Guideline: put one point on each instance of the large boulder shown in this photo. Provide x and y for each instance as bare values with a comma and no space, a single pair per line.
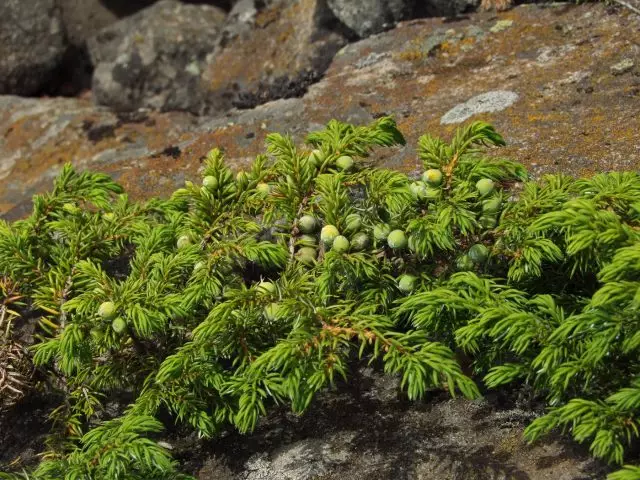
83,18
274,51
367,17
155,58
32,45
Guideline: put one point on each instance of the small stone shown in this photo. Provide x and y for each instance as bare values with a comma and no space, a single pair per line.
501,25
488,102
622,67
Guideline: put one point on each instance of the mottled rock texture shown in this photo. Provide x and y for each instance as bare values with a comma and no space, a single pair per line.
274,51
572,113
366,17
369,432
32,45
155,58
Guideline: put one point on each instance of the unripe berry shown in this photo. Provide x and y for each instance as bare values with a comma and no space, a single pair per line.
273,312
198,266
210,182
263,189
381,232
95,333
344,163
433,193
488,221
307,241
360,241
340,244
419,190
119,325
478,253
406,283
491,205
485,186
432,177
328,234
107,310
108,216
71,208
267,288
353,222
307,255
397,240
464,263
316,158
184,241
307,224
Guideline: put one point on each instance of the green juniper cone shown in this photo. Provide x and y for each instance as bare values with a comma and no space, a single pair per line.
556,308
397,240
307,224
328,234
340,244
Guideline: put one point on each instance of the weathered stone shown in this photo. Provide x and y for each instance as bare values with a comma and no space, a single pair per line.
32,45
83,18
445,8
273,52
155,58
361,432
623,66
488,102
572,115
501,25
366,17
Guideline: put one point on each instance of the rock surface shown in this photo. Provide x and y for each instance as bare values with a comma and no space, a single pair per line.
154,58
366,17
445,8
368,432
271,52
32,44
572,113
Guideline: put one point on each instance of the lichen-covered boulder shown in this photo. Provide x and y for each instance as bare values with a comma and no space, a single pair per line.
32,45
154,59
272,50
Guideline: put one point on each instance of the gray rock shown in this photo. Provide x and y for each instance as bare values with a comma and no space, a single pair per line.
154,58
32,45
271,52
445,8
82,18
494,101
366,17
